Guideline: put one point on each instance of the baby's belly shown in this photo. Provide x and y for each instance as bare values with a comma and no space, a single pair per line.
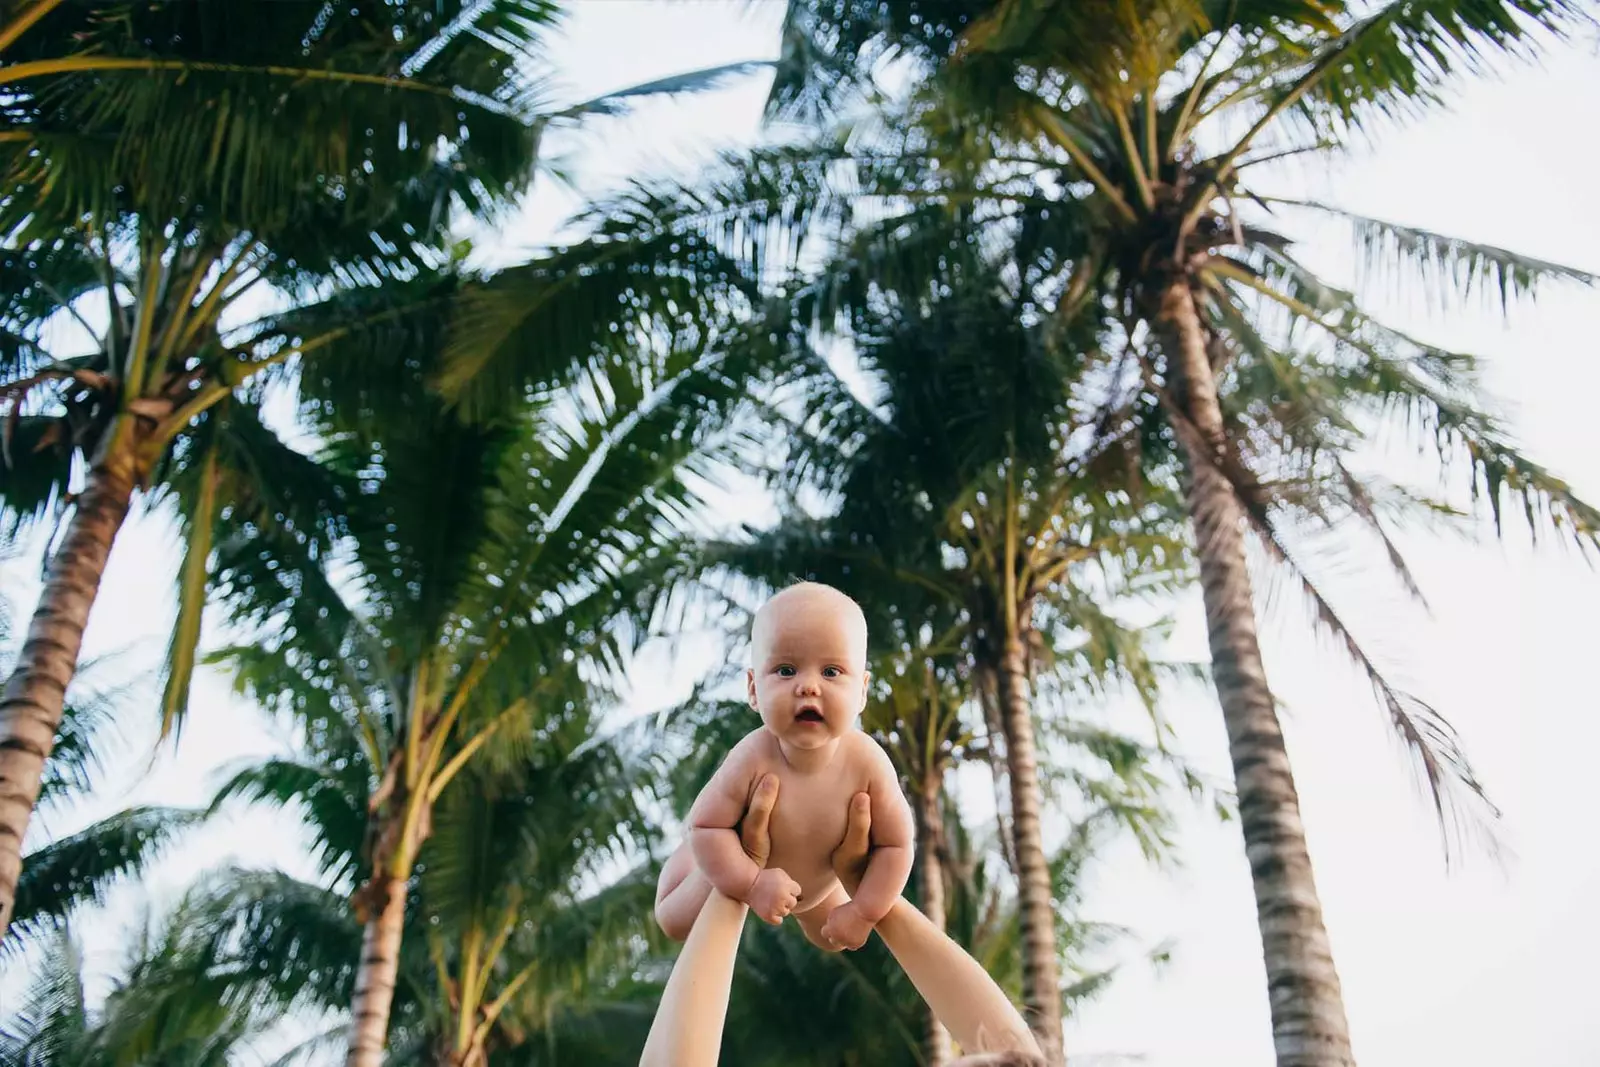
803,840
816,880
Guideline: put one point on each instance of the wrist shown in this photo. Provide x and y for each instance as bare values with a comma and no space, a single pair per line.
892,927
872,909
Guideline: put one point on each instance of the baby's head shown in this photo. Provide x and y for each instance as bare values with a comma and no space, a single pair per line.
1001,1059
808,675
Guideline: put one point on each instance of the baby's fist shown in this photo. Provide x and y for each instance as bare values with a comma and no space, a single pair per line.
773,895
847,927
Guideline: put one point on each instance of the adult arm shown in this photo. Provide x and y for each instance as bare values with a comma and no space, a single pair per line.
687,1029
961,994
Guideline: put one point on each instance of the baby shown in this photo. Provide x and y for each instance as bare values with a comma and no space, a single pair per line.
809,682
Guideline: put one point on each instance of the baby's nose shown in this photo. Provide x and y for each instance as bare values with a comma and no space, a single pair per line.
807,685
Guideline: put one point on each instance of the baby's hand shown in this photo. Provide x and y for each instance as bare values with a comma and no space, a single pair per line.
773,895
847,927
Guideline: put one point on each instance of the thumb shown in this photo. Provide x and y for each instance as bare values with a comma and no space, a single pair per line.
857,833
762,801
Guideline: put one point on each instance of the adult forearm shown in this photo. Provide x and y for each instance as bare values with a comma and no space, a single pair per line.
687,1031
959,991
722,858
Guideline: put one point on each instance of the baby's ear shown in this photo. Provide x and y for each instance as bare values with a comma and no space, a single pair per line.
750,685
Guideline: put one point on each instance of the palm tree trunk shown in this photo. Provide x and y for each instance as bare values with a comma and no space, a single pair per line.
1308,1018
1041,976
31,703
930,852
375,980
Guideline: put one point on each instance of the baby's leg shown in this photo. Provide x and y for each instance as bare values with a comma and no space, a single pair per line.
680,894
814,918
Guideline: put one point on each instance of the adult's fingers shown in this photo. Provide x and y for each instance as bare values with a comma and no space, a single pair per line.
850,858
753,830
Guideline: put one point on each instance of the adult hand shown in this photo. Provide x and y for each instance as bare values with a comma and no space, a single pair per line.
753,832
850,858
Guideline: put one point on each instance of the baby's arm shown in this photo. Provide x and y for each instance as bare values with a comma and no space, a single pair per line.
893,834
714,839
889,862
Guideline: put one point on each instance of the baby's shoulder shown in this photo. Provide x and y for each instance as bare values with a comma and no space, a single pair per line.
862,751
755,753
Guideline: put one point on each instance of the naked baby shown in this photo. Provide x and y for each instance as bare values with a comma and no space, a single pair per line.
808,680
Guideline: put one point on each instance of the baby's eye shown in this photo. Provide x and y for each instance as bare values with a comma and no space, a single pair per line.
786,671
831,672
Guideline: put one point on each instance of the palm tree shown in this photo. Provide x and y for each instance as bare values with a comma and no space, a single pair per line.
1128,147
507,945
169,172
164,1009
156,173
488,568
512,931
975,523
67,872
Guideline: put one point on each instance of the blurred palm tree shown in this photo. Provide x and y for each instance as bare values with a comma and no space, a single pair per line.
515,924
158,171
164,1009
481,599
518,931
196,199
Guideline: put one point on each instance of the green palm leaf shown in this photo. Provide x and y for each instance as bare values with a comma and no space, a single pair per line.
1395,256
51,1023
79,869
331,796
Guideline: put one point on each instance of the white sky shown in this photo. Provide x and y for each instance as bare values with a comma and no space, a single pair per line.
1476,968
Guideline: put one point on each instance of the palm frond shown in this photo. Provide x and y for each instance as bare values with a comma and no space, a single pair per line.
273,939
333,798
1445,771
64,875
707,79
89,729
178,104
1432,394
1393,256
1395,61
52,1023
35,470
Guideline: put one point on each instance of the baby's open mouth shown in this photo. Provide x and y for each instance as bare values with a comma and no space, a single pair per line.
809,715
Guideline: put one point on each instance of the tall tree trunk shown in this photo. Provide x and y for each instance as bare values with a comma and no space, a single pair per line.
930,853
31,703
1308,1019
375,980
1041,976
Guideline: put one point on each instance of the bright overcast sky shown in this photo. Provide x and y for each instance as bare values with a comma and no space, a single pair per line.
1480,967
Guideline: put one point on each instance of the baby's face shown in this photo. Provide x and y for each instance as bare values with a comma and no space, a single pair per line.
809,679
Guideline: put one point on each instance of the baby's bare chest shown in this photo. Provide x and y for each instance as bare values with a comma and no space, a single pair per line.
809,822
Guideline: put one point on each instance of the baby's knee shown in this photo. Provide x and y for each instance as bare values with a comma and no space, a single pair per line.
673,922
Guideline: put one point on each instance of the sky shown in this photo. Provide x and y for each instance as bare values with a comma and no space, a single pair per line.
1482,964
